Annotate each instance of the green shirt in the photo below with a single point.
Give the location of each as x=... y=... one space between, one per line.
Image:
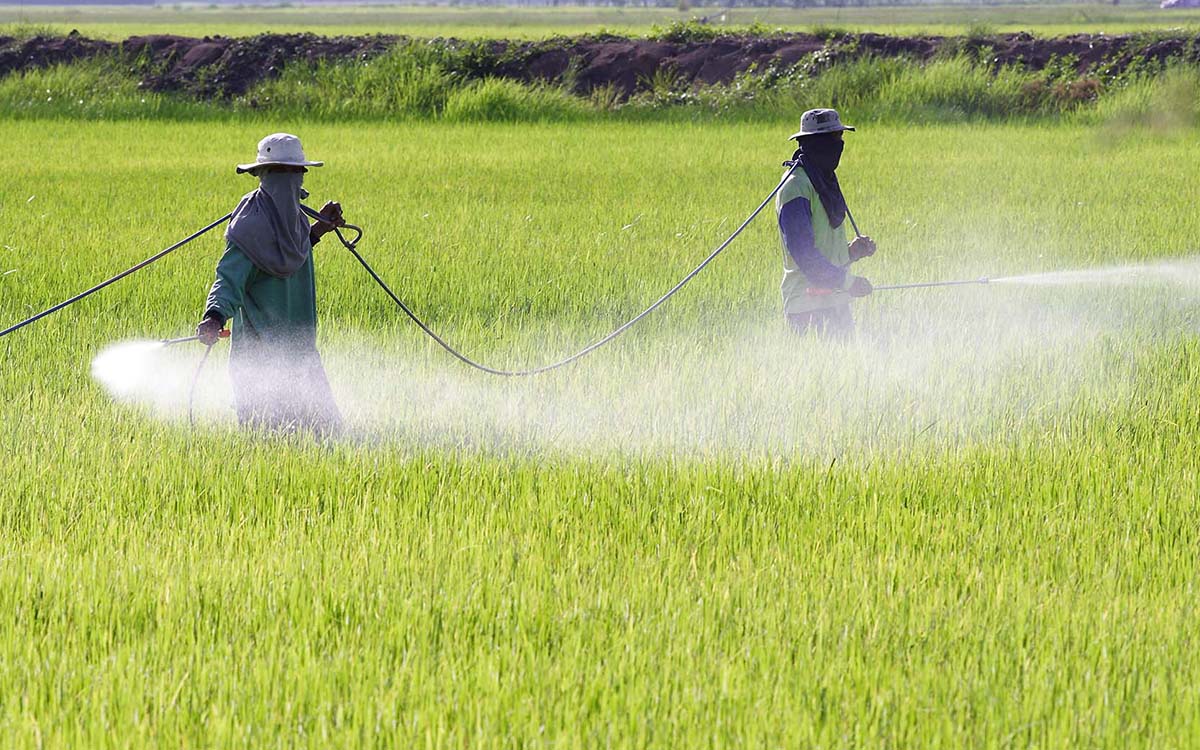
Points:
x=829 y=241
x=267 y=311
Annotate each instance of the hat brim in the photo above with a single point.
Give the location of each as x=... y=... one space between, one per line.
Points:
x=243 y=168
x=803 y=133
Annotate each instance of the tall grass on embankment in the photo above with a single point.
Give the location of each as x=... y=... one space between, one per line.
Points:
x=425 y=82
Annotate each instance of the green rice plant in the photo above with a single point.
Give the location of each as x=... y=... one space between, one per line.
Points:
x=971 y=526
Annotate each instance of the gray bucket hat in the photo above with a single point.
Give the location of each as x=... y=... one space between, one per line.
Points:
x=279 y=150
x=818 y=121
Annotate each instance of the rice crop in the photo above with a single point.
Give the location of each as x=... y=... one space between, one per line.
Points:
x=973 y=526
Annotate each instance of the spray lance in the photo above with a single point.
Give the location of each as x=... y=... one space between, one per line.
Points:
x=822 y=292
x=224 y=334
x=895 y=287
x=817 y=292
x=154 y=259
x=926 y=284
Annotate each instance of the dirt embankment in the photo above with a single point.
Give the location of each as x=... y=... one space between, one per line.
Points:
x=222 y=67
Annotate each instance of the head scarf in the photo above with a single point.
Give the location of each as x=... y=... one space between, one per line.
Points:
x=269 y=227
x=820 y=155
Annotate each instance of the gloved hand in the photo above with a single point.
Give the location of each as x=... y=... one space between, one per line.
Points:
x=859 y=287
x=332 y=211
x=861 y=247
x=210 y=329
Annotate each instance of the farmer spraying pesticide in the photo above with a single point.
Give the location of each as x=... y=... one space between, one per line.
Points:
x=817 y=284
x=265 y=280
x=265 y=284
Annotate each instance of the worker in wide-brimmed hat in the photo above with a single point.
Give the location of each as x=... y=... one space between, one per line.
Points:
x=817 y=283
x=266 y=286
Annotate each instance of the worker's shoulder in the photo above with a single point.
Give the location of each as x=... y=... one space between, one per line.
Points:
x=235 y=255
x=796 y=186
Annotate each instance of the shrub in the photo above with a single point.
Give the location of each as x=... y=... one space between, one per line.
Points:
x=1163 y=102
x=410 y=81
x=499 y=100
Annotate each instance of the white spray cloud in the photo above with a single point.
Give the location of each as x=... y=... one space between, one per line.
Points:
x=1184 y=272
x=934 y=368
x=159 y=378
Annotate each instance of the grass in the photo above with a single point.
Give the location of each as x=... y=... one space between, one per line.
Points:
x=1049 y=18
x=974 y=527
x=98 y=89
x=422 y=82
x=449 y=81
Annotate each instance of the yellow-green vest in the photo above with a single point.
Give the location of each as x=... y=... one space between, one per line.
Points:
x=800 y=294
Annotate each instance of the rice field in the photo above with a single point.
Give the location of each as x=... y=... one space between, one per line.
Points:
x=972 y=526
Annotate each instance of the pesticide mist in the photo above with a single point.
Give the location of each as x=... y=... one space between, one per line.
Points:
x=1184 y=272
x=158 y=377
x=929 y=369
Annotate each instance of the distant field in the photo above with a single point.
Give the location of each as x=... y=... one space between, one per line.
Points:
x=1044 y=18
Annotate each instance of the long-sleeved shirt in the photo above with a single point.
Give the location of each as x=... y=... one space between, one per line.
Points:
x=815 y=254
x=266 y=310
x=278 y=379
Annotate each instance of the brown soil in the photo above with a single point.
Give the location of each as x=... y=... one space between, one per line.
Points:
x=220 y=67
x=40 y=52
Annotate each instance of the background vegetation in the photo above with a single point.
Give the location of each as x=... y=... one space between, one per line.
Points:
x=422 y=81
x=974 y=526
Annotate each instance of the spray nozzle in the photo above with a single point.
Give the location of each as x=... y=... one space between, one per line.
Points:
x=224 y=334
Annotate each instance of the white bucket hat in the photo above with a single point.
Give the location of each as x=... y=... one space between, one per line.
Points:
x=818 y=121
x=279 y=149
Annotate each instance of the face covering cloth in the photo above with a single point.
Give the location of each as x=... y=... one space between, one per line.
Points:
x=268 y=226
x=820 y=156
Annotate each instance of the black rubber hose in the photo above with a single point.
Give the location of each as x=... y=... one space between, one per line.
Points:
x=582 y=352
x=114 y=279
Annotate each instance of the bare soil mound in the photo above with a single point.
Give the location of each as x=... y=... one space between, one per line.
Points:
x=220 y=67
x=40 y=52
x=215 y=67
